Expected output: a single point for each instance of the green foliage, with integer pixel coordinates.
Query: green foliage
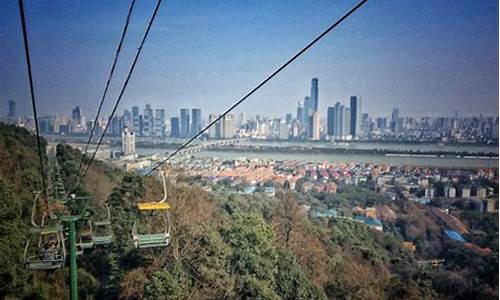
(253, 249)
(171, 283)
(291, 283)
(12, 237)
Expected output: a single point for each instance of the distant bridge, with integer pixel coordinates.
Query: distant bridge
(203, 146)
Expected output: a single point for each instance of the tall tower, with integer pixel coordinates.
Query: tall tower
(330, 121)
(228, 126)
(196, 121)
(316, 124)
(128, 142)
(136, 120)
(159, 123)
(174, 127)
(185, 122)
(347, 122)
(314, 94)
(356, 116)
(147, 121)
(212, 131)
(76, 115)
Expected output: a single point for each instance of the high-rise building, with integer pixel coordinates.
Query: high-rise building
(337, 120)
(356, 116)
(288, 118)
(159, 123)
(12, 110)
(347, 123)
(242, 119)
(147, 121)
(174, 127)
(381, 123)
(300, 112)
(228, 126)
(330, 121)
(212, 131)
(128, 142)
(136, 120)
(116, 126)
(394, 119)
(195, 121)
(314, 95)
(306, 113)
(341, 121)
(284, 131)
(316, 125)
(127, 119)
(185, 122)
(76, 116)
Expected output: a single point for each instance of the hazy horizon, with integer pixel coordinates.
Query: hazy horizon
(427, 59)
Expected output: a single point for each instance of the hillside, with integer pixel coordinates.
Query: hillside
(227, 245)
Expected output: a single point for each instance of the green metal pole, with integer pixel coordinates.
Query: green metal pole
(72, 260)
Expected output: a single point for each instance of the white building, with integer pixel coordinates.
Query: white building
(128, 142)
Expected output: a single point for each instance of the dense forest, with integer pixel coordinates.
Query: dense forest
(227, 245)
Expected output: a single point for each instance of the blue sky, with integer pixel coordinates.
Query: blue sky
(425, 57)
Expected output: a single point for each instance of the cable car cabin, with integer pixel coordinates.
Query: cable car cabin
(103, 233)
(156, 233)
(48, 252)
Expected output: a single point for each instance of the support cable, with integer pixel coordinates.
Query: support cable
(110, 76)
(130, 72)
(33, 101)
(294, 57)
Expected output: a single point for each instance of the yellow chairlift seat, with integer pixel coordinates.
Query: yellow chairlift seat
(153, 206)
(154, 239)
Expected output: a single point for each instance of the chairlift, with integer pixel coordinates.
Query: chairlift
(153, 239)
(50, 250)
(103, 233)
(86, 237)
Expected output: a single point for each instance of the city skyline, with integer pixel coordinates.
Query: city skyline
(451, 66)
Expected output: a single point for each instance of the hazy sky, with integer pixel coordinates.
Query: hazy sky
(425, 57)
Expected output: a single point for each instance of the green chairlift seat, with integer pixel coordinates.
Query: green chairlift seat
(103, 234)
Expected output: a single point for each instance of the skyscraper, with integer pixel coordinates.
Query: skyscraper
(330, 121)
(288, 118)
(147, 121)
(185, 122)
(116, 126)
(356, 116)
(228, 124)
(127, 119)
(212, 131)
(136, 120)
(174, 127)
(284, 131)
(347, 122)
(306, 112)
(340, 121)
(314, 95)
(300, 112)
(316, 124)
(76, 116)
(337, 122)
(394, 119)
(159, 123)
(196, 121)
